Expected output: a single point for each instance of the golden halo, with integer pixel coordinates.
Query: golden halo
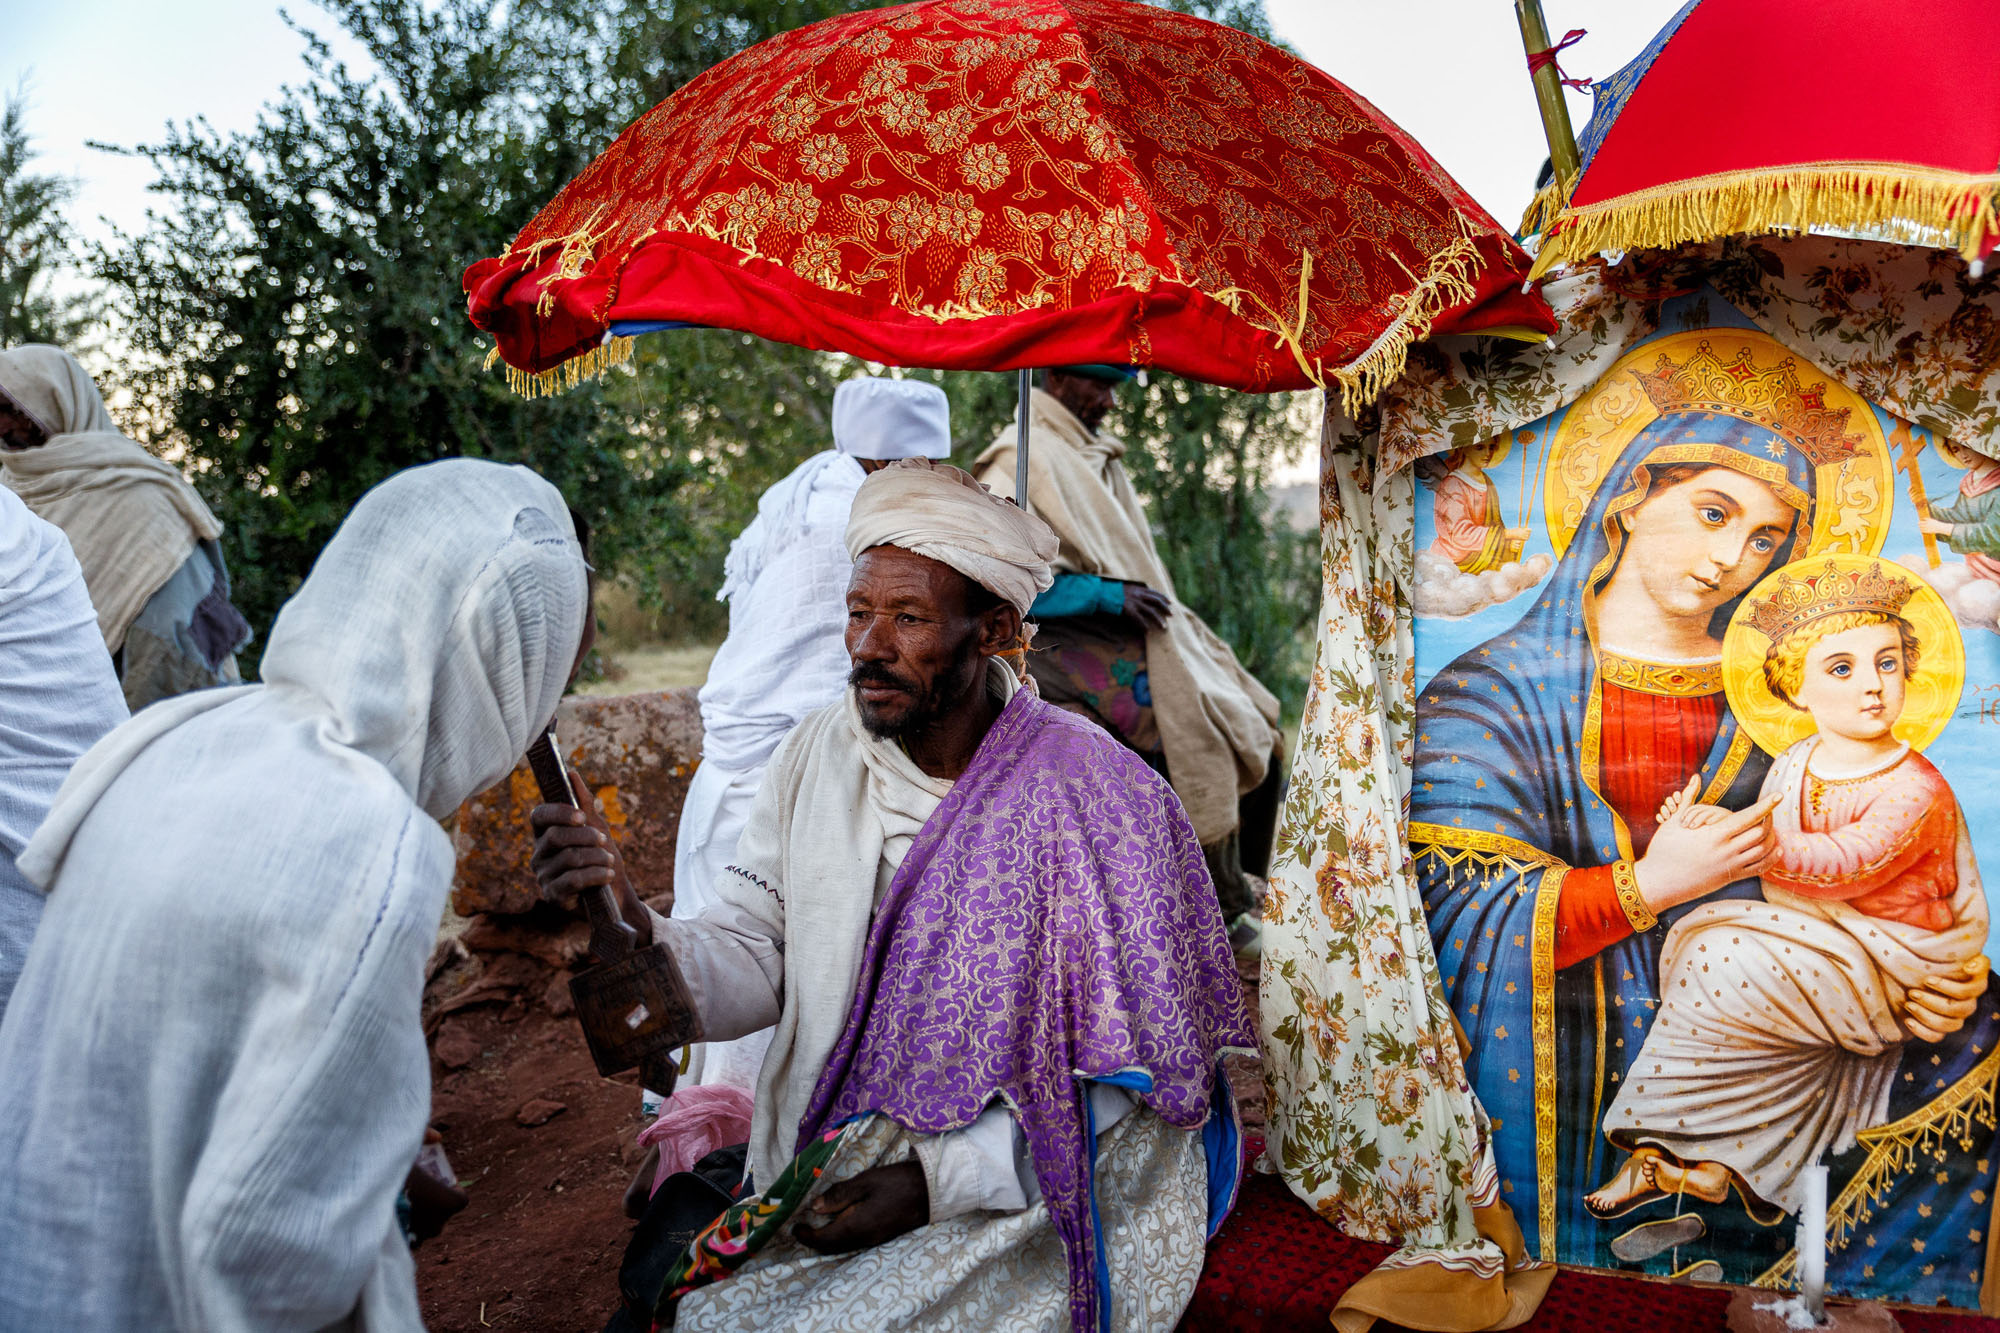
(1490, 453)
(1854, 496)
(1954, 453)
(1932, 693)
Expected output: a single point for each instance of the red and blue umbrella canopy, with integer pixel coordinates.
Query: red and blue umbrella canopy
(1877, 118)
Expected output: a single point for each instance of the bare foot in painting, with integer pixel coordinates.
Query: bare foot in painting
(1707, 1181)
(1632, 1186)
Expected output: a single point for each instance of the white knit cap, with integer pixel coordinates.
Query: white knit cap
(887, 419)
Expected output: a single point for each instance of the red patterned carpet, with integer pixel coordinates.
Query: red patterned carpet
(1277, 1268)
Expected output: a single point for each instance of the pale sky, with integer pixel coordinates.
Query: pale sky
(1450, 72)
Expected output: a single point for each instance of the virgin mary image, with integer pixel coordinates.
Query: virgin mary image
(1544, 756)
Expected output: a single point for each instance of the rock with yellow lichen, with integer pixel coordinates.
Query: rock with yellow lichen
(637, 752)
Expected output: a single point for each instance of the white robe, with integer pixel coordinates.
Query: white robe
(58, 695)
(215, 1078)
(784, 942)
(785, 657)
(1779, 1030)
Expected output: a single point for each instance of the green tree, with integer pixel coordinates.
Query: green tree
(35, 242)
(297, 332)
(293, 311)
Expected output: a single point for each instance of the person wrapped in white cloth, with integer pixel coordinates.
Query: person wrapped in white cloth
(59, 695)
(785, 581)
(216, 1078)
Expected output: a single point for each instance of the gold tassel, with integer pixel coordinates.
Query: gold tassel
(591, 365)
(1446, 282)
(1953, 208)
(1548, 202)
(579, 251)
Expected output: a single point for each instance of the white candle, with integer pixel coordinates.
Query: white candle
(1811, 1242)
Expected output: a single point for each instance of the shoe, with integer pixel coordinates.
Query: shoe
(1650, 1239)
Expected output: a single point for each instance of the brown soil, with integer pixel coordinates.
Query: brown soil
(539, 1245)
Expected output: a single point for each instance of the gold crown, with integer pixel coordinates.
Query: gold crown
(1769, 398)
(1795, 603)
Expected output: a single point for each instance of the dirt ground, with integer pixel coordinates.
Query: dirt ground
(539, 1245)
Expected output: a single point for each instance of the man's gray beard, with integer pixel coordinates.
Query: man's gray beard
(931, 706)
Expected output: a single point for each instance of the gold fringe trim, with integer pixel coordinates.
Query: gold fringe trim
(1893, 1152)
(1545, 207)
(560, 379)
(1940, 207)
(1291, 335)
(579, 251)
(1446, 282)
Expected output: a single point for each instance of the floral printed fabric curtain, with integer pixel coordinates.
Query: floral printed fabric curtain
(1372, 1120)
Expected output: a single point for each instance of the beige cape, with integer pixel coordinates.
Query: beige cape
(131, 518)
(1218, 724)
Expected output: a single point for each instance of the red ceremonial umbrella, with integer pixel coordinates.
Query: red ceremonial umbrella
(999, 184)
(1878, 118)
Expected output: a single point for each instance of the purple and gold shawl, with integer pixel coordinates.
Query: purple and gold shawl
(1052, 924)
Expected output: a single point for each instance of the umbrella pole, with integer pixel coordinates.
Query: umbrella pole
(1024, 388)
(1549, 94)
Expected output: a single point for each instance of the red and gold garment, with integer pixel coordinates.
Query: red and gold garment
(1659, 722)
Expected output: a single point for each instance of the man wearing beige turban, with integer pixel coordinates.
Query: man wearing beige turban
(1000, 983)
(146, 541)
(1113, 643)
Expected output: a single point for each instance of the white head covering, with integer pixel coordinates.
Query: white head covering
(243, 889)
(939, 511)
(131, 518)
(879, 418)
(434, 636)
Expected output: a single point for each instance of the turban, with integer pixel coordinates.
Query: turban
(935, 510)
(888, 419)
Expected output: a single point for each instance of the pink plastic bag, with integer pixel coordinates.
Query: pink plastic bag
(694, 1123)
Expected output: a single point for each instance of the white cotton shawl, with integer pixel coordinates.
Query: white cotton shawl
(58, 695)
(215, 1073)
(131, 518)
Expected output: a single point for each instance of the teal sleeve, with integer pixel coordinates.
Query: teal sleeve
(1080, 595)
(1978, 523)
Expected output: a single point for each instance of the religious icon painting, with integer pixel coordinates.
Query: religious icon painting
(1708, 671)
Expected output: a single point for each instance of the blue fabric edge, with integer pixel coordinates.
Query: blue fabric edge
(1609, 94)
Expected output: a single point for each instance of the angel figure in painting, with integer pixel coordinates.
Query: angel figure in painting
(1472, 531)
(1971, 526)
(1782, 1022)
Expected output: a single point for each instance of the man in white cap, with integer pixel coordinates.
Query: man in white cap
(784, 581)
(999, 980)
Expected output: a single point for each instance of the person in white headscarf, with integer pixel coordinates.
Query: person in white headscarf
(215, 1073)
(146, 541)
(57, 696)
(785, 581)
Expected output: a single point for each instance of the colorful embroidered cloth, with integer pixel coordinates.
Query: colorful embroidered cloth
(1052, 924)
(746, 1226)
(989, 184)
